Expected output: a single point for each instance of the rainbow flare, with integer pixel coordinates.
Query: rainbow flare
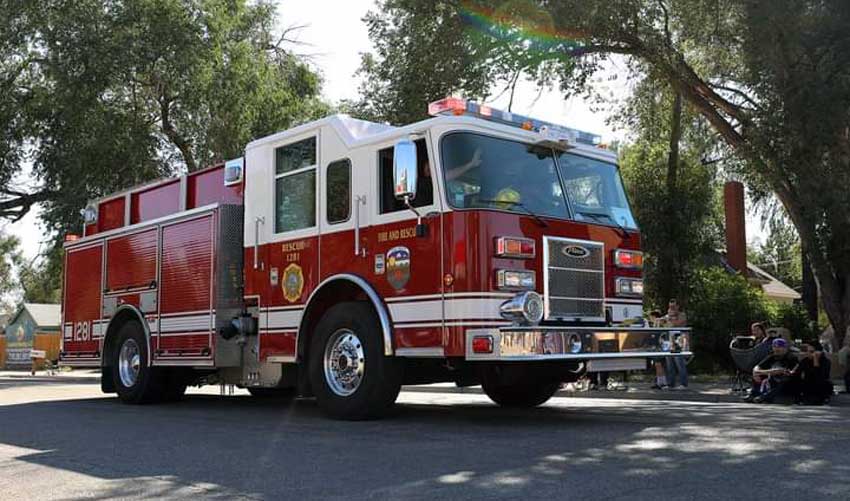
(520, 21)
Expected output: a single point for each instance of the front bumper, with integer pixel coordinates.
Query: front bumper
(516, 343)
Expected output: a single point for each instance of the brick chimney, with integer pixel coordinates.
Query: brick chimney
(736, 233)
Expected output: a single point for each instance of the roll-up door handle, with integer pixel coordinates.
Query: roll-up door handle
(257, 222)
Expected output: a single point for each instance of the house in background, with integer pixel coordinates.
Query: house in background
(772, 287)
(33, 326)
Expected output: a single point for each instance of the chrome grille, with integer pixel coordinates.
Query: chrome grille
(574, 284)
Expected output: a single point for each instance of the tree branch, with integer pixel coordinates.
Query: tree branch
(666, 22)
(16, 207)
(513, 89)
(686, 73)
(175, 137)
(737, 92)
(599, 49)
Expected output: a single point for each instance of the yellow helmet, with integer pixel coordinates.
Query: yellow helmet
(508, 197)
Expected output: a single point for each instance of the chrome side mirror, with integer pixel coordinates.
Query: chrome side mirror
(404, 170)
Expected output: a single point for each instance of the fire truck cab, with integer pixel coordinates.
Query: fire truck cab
(342, 259)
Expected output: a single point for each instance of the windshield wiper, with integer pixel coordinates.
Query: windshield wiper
(522, 206)
(596, 215)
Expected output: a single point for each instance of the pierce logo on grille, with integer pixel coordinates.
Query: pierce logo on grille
(576, 251)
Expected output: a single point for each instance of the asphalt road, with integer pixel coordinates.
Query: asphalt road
(65, 440)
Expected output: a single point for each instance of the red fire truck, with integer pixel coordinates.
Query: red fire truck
(342, 258)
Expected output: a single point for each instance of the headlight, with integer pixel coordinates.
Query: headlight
(525, 307)
(630, 287)
(515, 279)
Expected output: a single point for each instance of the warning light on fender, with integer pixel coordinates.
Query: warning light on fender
(482, 344)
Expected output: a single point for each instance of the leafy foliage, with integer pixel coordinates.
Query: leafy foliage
(772, 77)
(424, 51)
(41, 279)
(107, 94)
(722, 304)
(10, 256)
(780, 255)
(679, 217)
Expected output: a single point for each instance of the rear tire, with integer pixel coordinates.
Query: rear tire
(136, 382)
(521, 393)
(349, 373)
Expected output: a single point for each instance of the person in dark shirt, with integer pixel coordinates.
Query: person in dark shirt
(775, 375)
(815, 386)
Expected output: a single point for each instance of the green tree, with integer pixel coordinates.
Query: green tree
(108, 94)
(722, 304)
(672, 188)
(40, 280)
(423, 53)
(772, 77)
(10, 256)
(780, 254)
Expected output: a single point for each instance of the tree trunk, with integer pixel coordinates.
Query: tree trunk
(833, 286)
(668, 265)
(810, 287)
(175, 137)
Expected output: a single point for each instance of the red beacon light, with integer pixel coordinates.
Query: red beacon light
(449, 105)
(553, 135)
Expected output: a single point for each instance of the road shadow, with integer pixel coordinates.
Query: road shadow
(448, 447)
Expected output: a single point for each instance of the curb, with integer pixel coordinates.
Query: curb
(667, 396)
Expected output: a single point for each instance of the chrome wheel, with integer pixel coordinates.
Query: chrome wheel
(344, 362)
(129, 363)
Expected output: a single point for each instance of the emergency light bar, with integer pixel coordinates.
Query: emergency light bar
(551, 132)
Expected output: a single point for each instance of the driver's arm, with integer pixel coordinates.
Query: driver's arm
(475, 161)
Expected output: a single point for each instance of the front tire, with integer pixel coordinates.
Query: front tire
(136, 382)
(524, 392)
(349, 373)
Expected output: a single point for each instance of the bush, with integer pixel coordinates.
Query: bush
(721, 305)
(796, 319)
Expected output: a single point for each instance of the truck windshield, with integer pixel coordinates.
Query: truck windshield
(484, 172)
(490, 173)
(595, 191)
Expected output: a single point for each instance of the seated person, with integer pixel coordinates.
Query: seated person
(759, 332)
(815, 386)
(762, 344)
(775, 375)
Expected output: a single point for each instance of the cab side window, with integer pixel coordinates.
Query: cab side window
(424, 183)
(295, 186)
(339, 191)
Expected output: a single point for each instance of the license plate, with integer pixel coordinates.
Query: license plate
(616, 364)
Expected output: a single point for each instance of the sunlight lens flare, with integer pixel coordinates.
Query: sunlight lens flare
(521, 22)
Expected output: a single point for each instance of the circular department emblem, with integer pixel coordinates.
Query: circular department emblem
(398, 267)
(576, 251)
(293, 282)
